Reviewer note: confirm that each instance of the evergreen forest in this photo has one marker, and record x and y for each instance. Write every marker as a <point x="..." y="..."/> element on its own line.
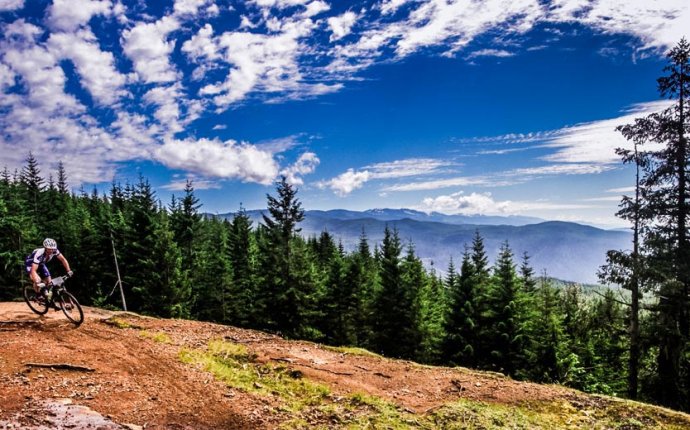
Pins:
<point x="177" y="262"/>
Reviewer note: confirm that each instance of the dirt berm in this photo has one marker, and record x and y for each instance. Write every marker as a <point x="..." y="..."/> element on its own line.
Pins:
<point x="120" y="370"/>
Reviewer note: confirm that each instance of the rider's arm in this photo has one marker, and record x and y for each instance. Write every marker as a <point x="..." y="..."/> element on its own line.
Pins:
<point x="64" y="262"/>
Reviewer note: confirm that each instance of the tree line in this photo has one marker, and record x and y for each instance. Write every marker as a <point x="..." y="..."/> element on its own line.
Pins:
<point x="176" y="262"/>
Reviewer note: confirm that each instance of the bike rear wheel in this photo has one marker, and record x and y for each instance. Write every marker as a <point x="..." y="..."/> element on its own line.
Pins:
<point x="70" y="307"/>
<point x="32" y="300"/>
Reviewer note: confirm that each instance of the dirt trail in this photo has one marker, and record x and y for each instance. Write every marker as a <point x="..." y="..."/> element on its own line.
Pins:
<point x="140" y="381"/>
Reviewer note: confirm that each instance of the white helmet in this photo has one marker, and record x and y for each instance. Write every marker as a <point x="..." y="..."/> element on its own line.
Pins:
<point x="50" y="244"/>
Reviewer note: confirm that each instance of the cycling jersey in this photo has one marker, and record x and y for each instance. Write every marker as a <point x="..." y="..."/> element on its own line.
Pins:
<point x="39" y="256"/>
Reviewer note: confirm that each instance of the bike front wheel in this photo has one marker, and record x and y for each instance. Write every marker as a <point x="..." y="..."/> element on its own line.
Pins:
<point x="36" y="303"/>
<point x="70" y="307"/>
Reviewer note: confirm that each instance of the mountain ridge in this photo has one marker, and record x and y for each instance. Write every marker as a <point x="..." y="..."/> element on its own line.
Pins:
<point x="565" y="250"/>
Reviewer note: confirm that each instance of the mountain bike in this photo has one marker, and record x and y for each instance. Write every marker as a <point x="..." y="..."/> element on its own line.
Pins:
<point x="57" y="298"/>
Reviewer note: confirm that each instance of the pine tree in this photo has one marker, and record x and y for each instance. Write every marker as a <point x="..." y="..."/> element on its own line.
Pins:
<point x="529" y="284"/>
<point x="212" y="280"/>
<point x="460" y="343"/>
<point x="242" y="253"/>
<point x="62" y="186"/>
<point x="185" y="221"/>
<point x="288" y="289"/>
<point x="507" y="311"/>
<point x="33" y="184"/>
<point x="169" y="294"/>
<point x="664" y="209"/>
<point x="546" y="350"/>
<point x="393" y="307"/>
<point x="138" y="259"/>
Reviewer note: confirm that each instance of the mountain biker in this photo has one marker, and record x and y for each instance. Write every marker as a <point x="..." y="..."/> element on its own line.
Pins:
<point x="36" y="265"/>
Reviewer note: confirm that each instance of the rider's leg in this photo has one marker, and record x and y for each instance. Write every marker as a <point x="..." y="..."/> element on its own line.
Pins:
<point x="45" y="275"/>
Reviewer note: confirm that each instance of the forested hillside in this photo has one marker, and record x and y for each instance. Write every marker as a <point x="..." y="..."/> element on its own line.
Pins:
<point x="174" y="262"/>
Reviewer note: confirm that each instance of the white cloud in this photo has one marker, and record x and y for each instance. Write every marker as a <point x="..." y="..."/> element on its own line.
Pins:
<point x="621" y="190"/>
<point x="596" y="141"/>
<point x="341" y="25"/>
<point x="7" y="77"/>
<point x="502" y="53"/>
<point x="347" y="182"/>
<point x="69" y="15"/>
<point x="279" y="4"/>
<point x="266" y="63"/>
<point x="351" y="180"/>
<point x="561" y="169"/>
<point x="10" y="5"/>
<point x="459" y="203"/>
<point x="199" y="184"/>
<point x="485" y="204"/>
<point x="165" y="98"/>
<point x="189" y="8"/>
<point x="440" y="183"/>
<point x="659" y="24"/>
<point x="148" y="47"/>
<point x="391" y="6"/>
<point x="96" y="67"/>
<point x="44" y="80"/>
<point x="306" y="164"/>
<point x="220" y="127"/>
<point x="217" y="159"/>
<point x="201" y="45"/>
<point x="407" y="167"/>
<point x="315" y="8"/>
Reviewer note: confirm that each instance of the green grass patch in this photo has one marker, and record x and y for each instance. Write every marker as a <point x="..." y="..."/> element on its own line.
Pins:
<point x="350" y="350"/>
<point x="233" y="364"/>
<point x="304" y="404"/>
<point x="159" y="337"/>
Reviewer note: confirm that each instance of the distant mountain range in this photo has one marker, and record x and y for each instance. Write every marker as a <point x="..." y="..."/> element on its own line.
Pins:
<point x="566" y="250"/>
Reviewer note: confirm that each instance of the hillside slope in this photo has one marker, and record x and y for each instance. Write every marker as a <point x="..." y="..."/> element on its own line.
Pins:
<point x="129" y="371"/>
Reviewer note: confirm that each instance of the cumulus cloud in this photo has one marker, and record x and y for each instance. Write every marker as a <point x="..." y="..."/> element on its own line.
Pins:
<point x="485" y="204"/>
<point x="341" y="25"/>
<point x="347" y="182"/>
<point x="189" y="8"/>
<point x="217" y="159"/>
<point x="69" y="15"/>
<point x="96" y="68"/>
<point x="266" y="63"/>
<point x="148" y="47"/>
<point x="459" y="203"/>
<point x="10" y="5"/>
<point x="304" y="165"/>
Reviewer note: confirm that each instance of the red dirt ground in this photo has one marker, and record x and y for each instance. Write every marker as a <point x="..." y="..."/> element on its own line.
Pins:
<point x="140" y="381"/>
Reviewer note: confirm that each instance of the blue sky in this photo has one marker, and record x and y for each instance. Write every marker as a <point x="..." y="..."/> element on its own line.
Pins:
<point x="492" y="107"/>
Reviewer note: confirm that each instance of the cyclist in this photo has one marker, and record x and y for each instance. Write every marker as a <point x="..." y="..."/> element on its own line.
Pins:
<point x="36" y="265"/>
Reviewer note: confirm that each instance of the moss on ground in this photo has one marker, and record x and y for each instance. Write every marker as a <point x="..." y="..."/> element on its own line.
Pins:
<point x="159" y="337"/>
<point x="304" y="404"/>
